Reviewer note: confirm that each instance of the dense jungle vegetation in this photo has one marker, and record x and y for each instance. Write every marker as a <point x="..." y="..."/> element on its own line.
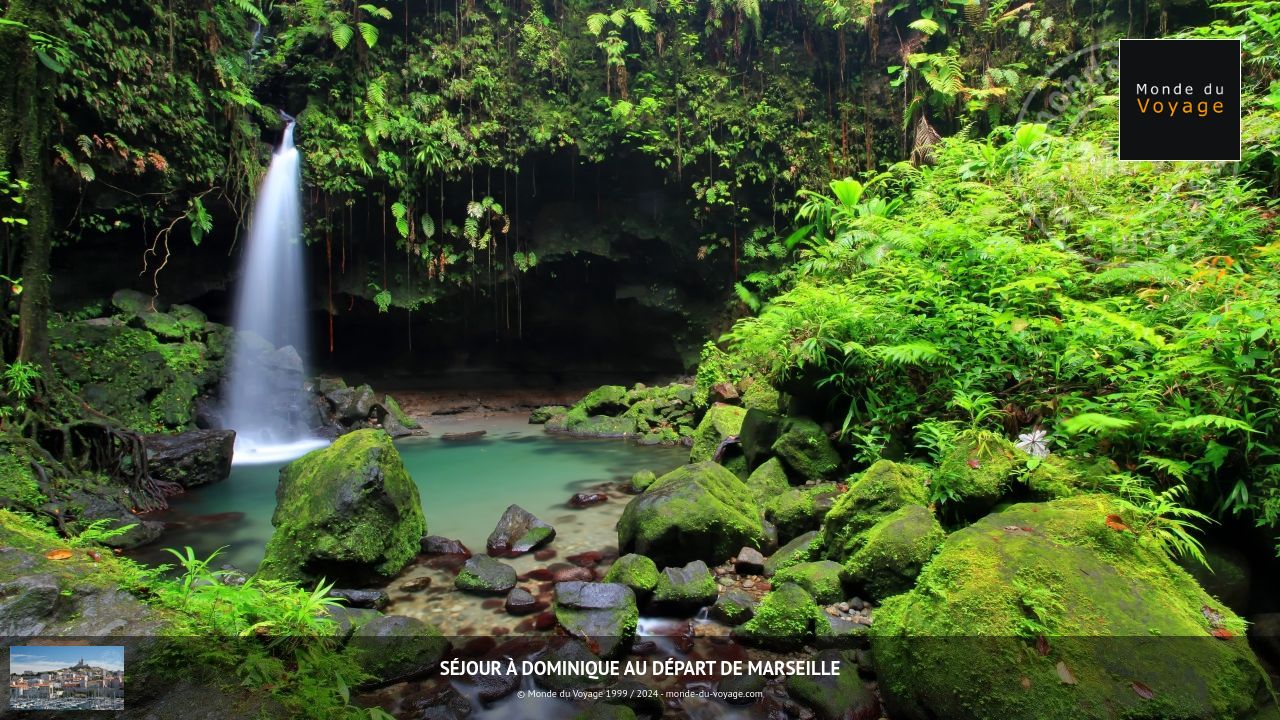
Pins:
<point x="890" y="242"/>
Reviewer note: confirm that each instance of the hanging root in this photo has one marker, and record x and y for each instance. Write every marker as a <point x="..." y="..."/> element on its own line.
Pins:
<point x="114" y="451"/>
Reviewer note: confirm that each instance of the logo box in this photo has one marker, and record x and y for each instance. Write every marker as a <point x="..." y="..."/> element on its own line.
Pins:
<point x="1180" y="100"/>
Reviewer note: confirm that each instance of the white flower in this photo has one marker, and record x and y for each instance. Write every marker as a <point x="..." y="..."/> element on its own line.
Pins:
<point x="1033" y="443"/>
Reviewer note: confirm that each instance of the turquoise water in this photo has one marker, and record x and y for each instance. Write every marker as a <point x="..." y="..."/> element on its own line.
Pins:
<point x="465" y="486"/>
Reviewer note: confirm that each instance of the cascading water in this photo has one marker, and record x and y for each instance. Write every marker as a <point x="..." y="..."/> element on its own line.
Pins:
<point x="264" y="397"/>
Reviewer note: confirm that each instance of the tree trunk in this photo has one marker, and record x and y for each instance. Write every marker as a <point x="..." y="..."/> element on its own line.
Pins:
<point x="26" y="114"/>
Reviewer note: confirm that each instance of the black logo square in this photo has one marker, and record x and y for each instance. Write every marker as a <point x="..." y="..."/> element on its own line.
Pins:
<point x="1180" y="100"/>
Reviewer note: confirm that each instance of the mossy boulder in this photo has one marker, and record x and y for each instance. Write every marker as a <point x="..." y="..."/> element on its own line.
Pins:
<point x="394" y="647"/>
<point x="518" y="531"/>
<point x="603" y="615"/>
<point x="824" y="580"/>
<point x="541" y="415"/>
<point x="758" y="434"/>
<point x="636" y="572"/>
<point x="695" y="512"/>
<point x="132" y="302"/>
<point x="880" y="490"/>
<point x="800" y="549"/>
<point x="978" y="471"/>
<point x="1228" y="577"/>
<point x="598" y="426"/>
<point x="347" y="513"/>
<point x="394" y="409"/>
<point x="768" y="481"/>
<point x="1126" y="632"/>
<point x="642" y="479"/>
<point x="685" y="589"/>
<point x="805" y="450"/>
<point x="719" y="423"/>
<point x="798" y="510"/>
<point x="604" y="400"/>
<point x="783" y="620"/>
<point x="759" y="395"/>
<point x="1056" y="477"/>
<point x="734" y="607"/>
<point x="894" y="550"/>
<point x="834" y="697"/>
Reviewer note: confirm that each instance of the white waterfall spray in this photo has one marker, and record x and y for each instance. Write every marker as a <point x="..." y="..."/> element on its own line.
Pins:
<point x="264" y="399"/>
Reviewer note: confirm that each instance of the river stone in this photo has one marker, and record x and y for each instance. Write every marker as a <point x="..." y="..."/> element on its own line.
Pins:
<point x="805" y="450"/>
<point x="749" y="562"/>
<point x="349" y="513"/>
<point x="685" y="589"/>
<point x="394" y="409"/>
<point x="783" y="620"/>
<point x="734" y="607"/>
<point x="352" y="404"/>
<point x="1122" y="614"/>
<point x="823" y="579"/>
<point x="695" y="512"/>
<point x="636" y="572"/>
<point x="94" y="507"/>
<point x="838" y="697"/>
<point x="566" y="653"/>
<point x="131" y="302"/>
<point x="395" y="647"/>
<point x="541" y="415"/>
<point x="190" y="459"/>
<point x="799" y="550"/>
<point x="518" y="532"/>
<point x="521" y="602"/>
<point x="367" y="599"/>
<point x="483" y="574"/>
<point x="894" y="551"/>
<point x="440" y="545"/>
<point x="604" y="615"/>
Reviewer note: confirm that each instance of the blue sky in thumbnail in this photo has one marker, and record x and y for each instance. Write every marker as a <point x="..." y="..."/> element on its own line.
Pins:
<point x="39" y="658"/>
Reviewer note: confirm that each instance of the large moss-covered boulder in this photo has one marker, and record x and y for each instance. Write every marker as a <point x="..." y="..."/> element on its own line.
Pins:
<point x="834" y="697"/>
<point x="881" y="489"/>
<point x="603" y="615"/>
<point x="1048" y="610"/>
<point x="894" y="550"/>
<point x="720" y="423"/>
<point x="695" y="512"/>
<point x="800" y="549"/>
<point x="346" y="513"/>
<point x="783" y="620"/>
<point x="806" y="450"/>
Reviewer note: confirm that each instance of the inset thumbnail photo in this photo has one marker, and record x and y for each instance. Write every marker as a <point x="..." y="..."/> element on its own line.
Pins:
<point x="66" y="677"/>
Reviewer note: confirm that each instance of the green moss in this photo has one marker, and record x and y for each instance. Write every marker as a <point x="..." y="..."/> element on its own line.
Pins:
<point x="1114" y="610"/>
<point x="720" y="422"/>
<point x="784" y="619"/>
<point x="692" y="585"/>
<point x="799" y="510"/>
<point x="635" y="571"/>
<point x="806" y="450"/>
<point x="768" y="480"/>
<point x="349" y="507"/>
<point x="399" y="414"/>
<point x="802" y="549"/>
<point x="642" y="479"/>
<point x="833" y="698"/>
<point x="824" y="580"/>
<point x="695" y="512"/>
<point x="18" y="486"/>
<point x="894" y="550"/>
<point x="977" y="472"/>
<point x="881" y="489"/>
<point x="394" y="647"/>
<point x="759" y="395"/>
<point x="542" y="414"/>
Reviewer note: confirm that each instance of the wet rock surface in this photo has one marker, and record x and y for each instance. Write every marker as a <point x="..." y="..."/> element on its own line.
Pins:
<point x="518" y="531"/>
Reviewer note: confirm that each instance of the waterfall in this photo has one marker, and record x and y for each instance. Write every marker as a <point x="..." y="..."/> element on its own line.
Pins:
<point x="264" y="397"/>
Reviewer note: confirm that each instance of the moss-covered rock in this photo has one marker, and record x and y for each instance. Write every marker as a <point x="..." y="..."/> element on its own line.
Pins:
<point x="18" y="487"/>
<point x="399" y="414"/>
<point x="824" y="580"/>
<point x="484" y="575"/>
<point x="695" y="512"/>
<point x="603" y="615"/>
<point x="604" y="711"/>
<point x="685" y="589"/>
<point x="834" y="697"/>
<point x="720" y="422"/>
<point x="604" y="400"/>
<point x="978" y="471"/>
<point x="345" y="513"/>
<point x="806" y="450"/>
<point x="768" y="481"/>
<point x="734" y="607"/>
<point x="758" y="434"/>
<point x="395" y="647"/>
<point x="642" y="479"/>
<point x="800" y="549"/>
<point x="636" y="572"/>
<point x="759" y="395"/>
<point x="783" y="620"/>
<point x="795" y="511"/>
<point x="881" y="489"/>
<point x="894" y="550"/>
<point x="542" y="414"/>
<point x="1127" y="633"/>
